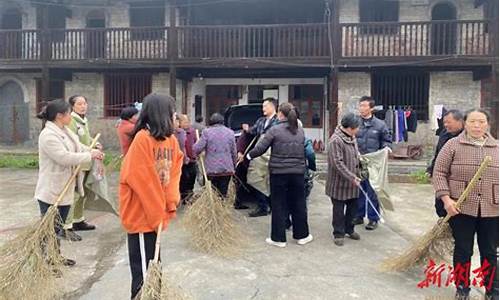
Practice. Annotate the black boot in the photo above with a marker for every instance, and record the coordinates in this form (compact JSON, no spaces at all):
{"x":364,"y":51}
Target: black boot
{"x":83,"y":226}
{"x":462,"y":293}
{"x":259,"y":212}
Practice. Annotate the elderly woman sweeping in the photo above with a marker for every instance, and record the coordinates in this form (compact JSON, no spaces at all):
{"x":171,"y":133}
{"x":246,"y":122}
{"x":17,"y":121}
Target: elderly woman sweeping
{"x":220,"y":152}
{"x":455,"y":166}
{"x":59,"y":152}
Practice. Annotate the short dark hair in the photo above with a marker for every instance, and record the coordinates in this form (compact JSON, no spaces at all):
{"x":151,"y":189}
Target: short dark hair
{"x":72,"y":99}
{"x":455,"y":113}
{"x":350,"y":120}
{"x":128,"y":112}
{"x":479,"y":110}
{"x":51,"y":109}
{"x":368,"y":99}
{"x":216,"y":119}
{"x":198,"y":118}
{"x":273,"y":101}
{"x":156,"y":115}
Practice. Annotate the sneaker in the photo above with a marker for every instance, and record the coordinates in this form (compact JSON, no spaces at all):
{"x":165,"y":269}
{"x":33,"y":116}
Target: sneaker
{"x":258,"y":213}
{"x":372,"y":225}
{"x":305,"y":240}
{"x":354,"y":236}
{"x":339,"y":241}
{"x":358,"y":221}
{"x":70,"y":235}
{"x":68,"y":262}
{"x":277,"y":244}
{"x":83,"y":226}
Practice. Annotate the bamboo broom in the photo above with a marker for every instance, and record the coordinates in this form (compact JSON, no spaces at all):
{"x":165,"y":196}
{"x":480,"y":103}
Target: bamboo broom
{"x":434,"y":240}
{"x":210,"y":221}
{"x":231,"y":191}
{"x":31,"y":261}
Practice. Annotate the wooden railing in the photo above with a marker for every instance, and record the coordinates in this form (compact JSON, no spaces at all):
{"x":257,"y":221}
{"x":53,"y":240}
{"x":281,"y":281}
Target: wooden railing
{"x":436,"y":38}
{"x":355,"y":40}
{"x":256,"y":41}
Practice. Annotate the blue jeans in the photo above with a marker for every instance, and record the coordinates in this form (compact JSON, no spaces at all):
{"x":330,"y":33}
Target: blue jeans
{"x":372,"y":215}
{"x":63,"y":214}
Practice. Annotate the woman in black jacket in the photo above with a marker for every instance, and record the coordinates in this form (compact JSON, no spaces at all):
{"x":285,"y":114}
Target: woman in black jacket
{"x":287,"y":168}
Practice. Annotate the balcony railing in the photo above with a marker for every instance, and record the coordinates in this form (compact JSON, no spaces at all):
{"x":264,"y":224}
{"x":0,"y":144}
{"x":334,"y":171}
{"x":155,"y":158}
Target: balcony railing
{"x":295,"y":41}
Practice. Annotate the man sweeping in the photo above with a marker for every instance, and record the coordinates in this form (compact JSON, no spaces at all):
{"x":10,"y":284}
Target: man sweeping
{"x":372,"y":136}
{"x":258,"y":174}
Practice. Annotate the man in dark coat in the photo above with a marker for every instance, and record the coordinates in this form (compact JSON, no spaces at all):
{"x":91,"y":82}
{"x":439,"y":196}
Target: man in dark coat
{"x":453,"y":122}
{"x":372,"y":136}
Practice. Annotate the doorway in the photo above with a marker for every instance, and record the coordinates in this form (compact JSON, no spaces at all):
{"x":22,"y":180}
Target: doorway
{"x":95,"y":39}
{"x":444,"y":34}
{"x":14,"y":114}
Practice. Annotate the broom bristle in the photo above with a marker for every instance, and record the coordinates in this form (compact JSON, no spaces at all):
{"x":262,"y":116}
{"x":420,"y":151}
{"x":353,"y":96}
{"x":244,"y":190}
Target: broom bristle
{"x":434,"y":243}
{"x":212,"y":225}
{"x":171,"y":291}
{"x":231,"y":192}
{"x":31,"y":261}
{"x":152,"y":287}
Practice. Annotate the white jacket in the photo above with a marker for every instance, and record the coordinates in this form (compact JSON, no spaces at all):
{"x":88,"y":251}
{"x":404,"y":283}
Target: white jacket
{"x":59,"y":152}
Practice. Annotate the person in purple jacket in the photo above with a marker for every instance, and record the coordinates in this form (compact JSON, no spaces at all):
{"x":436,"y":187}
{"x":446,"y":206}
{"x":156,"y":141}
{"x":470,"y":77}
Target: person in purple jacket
{"x":220,"y":152}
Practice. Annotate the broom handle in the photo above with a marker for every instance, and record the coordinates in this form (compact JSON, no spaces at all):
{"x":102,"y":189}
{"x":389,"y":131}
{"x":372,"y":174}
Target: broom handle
{"x":157,"y":245}
{"x":472,"y":184}
{"x":73,"y":176}
{"x":202,"y":156}
{"x":247,"y":149}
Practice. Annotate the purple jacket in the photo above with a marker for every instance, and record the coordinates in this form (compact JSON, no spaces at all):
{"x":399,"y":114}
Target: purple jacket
{"x":220,"y":150}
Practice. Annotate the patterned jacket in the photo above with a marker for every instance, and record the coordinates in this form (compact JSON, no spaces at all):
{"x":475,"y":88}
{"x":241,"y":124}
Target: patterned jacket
{"x":220,"y":150}
{"x":455,"y":166}
{"x":343,"y":166}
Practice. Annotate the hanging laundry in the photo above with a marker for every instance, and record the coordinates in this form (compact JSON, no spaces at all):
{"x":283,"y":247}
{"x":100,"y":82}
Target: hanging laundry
{"x":411,"y":120}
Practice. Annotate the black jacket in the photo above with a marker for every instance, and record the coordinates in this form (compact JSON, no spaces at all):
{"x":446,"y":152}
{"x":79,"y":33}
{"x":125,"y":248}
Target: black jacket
{"x":444,"y":137}
{"x":287,"y":149}
{"x":373,"y":135}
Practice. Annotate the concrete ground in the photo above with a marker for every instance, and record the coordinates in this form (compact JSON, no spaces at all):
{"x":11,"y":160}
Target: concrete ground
{"x":319,"y":270}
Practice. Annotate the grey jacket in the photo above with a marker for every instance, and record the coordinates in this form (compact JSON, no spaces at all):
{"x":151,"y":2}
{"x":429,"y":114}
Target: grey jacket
{"x":373,"y":135}
{"x":287,"y":149}
{"x":343,"y":166}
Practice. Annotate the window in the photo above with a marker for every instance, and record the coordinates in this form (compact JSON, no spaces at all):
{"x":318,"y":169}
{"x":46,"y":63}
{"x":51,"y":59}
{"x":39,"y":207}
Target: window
{"x":309,"y":101}
{"x":147,"y":14}
{"x":220,"y":97}
{"x":121,"y":90}
{"x":257,"y":93}
{"x":403,"y":89}
{"x":56,"y":91}
{"x":379,"y":11}
{"x":56,"y":20}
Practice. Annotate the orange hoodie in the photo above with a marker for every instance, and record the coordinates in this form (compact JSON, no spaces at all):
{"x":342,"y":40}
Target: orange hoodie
{"x":149,"y":183}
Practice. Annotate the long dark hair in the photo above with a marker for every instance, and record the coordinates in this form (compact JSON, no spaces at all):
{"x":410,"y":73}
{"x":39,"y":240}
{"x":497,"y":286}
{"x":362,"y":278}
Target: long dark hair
{"x":51,"y":109}
{"x":157,"y":116}
{"x":289,"y":112}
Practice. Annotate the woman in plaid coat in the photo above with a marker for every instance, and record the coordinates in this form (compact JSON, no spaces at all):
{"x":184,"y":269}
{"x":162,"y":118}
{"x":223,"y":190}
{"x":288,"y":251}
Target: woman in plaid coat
{"x":455,"y":166}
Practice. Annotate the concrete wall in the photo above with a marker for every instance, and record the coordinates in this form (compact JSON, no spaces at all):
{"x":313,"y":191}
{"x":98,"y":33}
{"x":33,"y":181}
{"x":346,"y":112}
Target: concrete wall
{"x":352,"y":86}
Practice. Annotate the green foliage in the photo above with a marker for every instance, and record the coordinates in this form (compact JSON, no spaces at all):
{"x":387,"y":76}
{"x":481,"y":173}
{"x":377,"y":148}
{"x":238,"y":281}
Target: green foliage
{"x":19,"y":161}
{"x":420,"y":177}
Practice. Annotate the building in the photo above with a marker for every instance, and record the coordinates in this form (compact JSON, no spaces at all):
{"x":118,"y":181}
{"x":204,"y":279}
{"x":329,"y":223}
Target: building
{"x":320,"y":55}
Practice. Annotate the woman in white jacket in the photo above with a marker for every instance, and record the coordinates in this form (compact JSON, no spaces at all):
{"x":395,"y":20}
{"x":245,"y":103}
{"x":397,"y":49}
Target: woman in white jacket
{"x":59,"y":152}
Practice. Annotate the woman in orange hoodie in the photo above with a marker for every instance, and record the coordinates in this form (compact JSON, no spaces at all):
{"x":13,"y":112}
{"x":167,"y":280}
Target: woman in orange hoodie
{"x":149,"y":182}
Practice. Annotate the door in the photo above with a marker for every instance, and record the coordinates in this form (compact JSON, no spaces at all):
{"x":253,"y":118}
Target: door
{"x":444,"y":34}
{"x":14,"y":114}
{"x":220,"y":97}
{"x":95,"y":39}
{"x":11,"y":40}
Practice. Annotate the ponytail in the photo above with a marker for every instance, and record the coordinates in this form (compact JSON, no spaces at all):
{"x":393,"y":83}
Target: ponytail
{"x":51,"y":109}
{"x":288,"y":110}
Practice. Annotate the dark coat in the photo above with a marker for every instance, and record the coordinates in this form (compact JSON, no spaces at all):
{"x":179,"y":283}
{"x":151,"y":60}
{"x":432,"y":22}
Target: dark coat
{"x":343,"y":166}
{"x":444,"y":137}
{"x":373,"y":135}
{"x":287,"y":149}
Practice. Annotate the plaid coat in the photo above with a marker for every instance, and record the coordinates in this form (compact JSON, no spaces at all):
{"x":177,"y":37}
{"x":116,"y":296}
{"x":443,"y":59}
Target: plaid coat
{"x":343,"y":166}
{"x":455,"y":166}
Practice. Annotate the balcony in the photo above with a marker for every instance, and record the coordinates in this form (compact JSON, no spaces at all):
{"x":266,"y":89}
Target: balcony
{"x":294,"y":42}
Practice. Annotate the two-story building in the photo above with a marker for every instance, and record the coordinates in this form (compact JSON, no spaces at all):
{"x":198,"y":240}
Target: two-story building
{"x":320,"y":55}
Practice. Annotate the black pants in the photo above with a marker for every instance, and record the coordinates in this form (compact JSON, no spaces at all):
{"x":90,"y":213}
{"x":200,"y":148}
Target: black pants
{"x":141,"y":249}
{"x":287,"y":196}
{"x":221,"y":183}
{"x":63,"y":211}
{"x":188,"y":178}
{"x":343,"y":213}
{"x":464,"y":228}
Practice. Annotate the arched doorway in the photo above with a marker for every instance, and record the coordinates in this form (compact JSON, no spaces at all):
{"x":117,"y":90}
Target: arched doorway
{"x":14,"y":114}
{"x":96,"y":39}
{"x":11,"y":19}
{"x":444,"y":34}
